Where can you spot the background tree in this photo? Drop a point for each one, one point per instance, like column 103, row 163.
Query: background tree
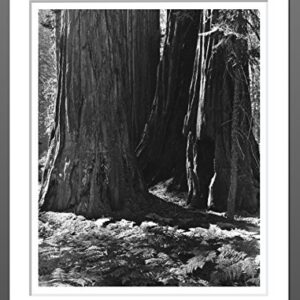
column 143, row 33
column 161, row 151
column 221, row 148
column 90, row 168
column 47, row 77
column 201, row 53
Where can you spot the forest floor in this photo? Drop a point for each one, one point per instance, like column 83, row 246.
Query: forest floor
column 172, row 245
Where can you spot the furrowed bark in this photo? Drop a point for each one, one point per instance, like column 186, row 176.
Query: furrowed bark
column 161, row 151
column 200, row 146
column 91, row 169
column 219, row 101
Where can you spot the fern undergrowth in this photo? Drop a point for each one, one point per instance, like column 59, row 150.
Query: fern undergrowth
column 74, row 251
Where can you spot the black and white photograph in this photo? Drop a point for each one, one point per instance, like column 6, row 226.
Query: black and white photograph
column 149, row 146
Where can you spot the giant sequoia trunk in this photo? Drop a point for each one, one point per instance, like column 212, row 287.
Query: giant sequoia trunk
column 161, row 152
column 220, row 160
column 91, row 169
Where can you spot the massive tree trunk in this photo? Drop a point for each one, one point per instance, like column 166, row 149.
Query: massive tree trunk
column 91, row 169
column 218, row 158
column 161, row 152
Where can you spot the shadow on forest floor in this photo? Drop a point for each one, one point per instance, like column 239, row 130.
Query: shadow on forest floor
column 173, row 205
column 169, row 246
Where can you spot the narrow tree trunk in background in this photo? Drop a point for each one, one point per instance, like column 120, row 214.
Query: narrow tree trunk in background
column 231, row 202
column 161, row 151
column 91, row 169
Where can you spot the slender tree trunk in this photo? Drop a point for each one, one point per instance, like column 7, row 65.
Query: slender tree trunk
column 91, row 169
column 231, row 202
column 161, row 151
column 239, row 48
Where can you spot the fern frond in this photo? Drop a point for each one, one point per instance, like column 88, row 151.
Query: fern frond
column 198, row 262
